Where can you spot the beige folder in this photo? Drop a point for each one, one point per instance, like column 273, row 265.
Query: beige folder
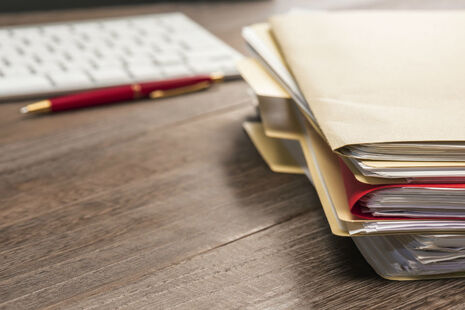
column 273, row 111
column 272, row 150
column 379, row 77
column 265, row 37
column 322, row 162
column 275, row 106
column 256, row 132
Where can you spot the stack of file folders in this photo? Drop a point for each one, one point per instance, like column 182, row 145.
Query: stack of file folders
column 371, row 107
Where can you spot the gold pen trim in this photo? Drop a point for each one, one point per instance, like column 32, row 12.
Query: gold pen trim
column 38, row 107
column 136, row 91
column 179, row 91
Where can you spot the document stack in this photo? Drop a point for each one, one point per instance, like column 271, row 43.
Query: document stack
column 371, row 107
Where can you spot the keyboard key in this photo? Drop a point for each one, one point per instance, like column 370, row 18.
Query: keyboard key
column 176, row 70
column 205, row 67
column 144, row 48
column 78, row 67
column 167, row 58
column 175, row 50
column 28, row 35
column 197, row 43
column 196, row 56
column 42, row 52
column 107, row 76
column 145, row 73
column 164, row 43
column 20, row 70
column 105, row 63
column 46, row 68
column 11, row 54
column 71, row 80
column 81, row 56
column 24, row 85
column 108, row 53
column 50, row 57
column 139, row 58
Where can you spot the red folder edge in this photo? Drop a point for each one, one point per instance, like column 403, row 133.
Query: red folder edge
column 355, row 190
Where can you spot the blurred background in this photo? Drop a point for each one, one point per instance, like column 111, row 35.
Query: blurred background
column 42, row 5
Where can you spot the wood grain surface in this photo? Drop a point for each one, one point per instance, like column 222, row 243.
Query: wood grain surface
column 168, row 205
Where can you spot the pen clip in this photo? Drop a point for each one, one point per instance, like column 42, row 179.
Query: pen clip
column 179, row 91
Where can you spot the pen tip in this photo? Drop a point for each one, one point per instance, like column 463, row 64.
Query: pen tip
column 23, row 110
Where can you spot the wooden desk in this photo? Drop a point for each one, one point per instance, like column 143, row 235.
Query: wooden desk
column 167, row 204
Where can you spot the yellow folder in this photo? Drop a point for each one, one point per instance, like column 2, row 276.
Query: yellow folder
column 280, row 122
column 321, row 161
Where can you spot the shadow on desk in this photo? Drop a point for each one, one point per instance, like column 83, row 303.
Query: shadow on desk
column 297, row 248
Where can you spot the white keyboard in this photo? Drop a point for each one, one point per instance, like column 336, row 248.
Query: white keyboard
column 57, row 58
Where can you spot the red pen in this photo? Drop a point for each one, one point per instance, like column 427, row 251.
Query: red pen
column 157, row 89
